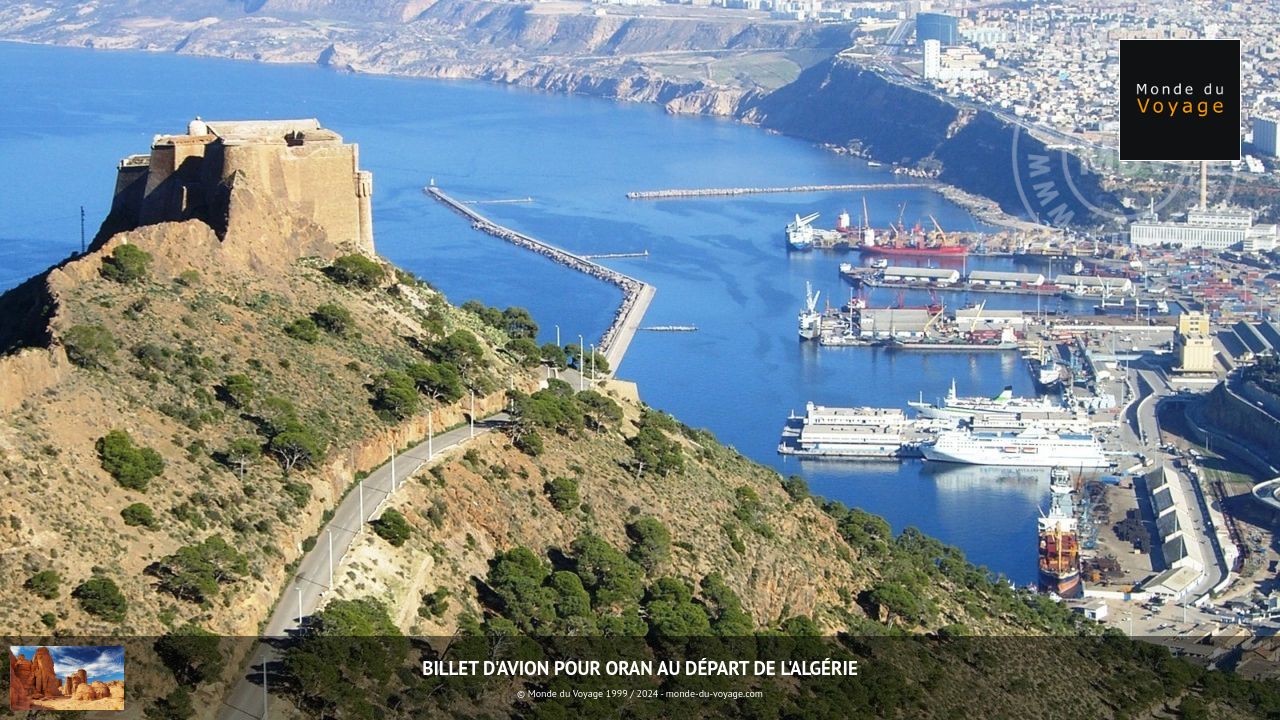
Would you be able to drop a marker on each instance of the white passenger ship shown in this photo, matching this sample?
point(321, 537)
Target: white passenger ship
point(1035, 447)
point(859, 432)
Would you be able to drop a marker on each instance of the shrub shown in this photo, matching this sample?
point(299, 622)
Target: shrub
point(131, 466)
point(333, 318)
point(392, 527)
point(303, 329)
point(438, 381)
point(191, 653)
point(395, 395)
point(90, 346)
point(139, 514)
point(99, 596)
point(300, 493)
point(650, 542)
point(44, 583)
point(563, 493)
point(796, 487)
point(237, 390)
point(355, 271)
point(434, 604)
point(195, 572)
point(529, 442)
point(127, 264)
point(296, 447)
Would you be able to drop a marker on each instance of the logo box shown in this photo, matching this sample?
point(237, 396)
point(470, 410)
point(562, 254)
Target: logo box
point(1180, 100)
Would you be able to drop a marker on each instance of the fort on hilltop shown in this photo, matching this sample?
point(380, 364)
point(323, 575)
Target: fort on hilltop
point(190, 176)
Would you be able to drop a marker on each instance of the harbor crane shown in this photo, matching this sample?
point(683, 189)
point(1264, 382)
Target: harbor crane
point(946, 242)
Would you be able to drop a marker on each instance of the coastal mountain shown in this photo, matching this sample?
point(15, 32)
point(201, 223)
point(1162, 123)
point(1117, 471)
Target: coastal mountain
point(971, 149)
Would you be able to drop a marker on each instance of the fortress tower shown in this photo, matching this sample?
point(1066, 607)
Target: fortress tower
point(190, 176)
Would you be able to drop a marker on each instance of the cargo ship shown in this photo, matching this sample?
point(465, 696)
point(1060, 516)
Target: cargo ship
point(1033, 447)
point(1060, 541)
point(902, 242)
point(800, 232)
point(810, 319)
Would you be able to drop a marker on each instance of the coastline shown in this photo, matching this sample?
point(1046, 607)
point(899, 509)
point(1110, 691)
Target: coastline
point(982, 208)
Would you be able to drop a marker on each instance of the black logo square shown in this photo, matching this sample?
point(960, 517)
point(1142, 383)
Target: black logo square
point(1179, 100)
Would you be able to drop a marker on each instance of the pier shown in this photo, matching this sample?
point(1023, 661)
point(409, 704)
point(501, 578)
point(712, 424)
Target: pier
point(602, 256)
point(508, 201)
point(720, 192)
point(636, 295)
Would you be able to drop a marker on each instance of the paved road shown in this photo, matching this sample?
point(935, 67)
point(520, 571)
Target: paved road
point(312, 579)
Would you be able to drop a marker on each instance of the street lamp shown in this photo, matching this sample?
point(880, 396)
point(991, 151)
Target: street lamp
point(581, 352)
point(473, 413)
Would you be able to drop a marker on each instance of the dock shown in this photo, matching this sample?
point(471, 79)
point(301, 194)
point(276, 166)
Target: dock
point(636, 295)
point(603, 256)
point(721, 192)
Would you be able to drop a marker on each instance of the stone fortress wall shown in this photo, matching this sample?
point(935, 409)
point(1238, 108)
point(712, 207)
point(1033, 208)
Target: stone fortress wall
point(190, 176)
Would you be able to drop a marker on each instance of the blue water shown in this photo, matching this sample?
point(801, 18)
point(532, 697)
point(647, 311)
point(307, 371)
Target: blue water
point(717, 263)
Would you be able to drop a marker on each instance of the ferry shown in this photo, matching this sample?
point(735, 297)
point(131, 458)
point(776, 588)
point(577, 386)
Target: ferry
point(965, 408)
point(1033, 447)
point(857, 432)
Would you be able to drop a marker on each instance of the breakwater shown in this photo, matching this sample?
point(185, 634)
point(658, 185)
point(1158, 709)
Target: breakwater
point(636, 295)
point(722, 192)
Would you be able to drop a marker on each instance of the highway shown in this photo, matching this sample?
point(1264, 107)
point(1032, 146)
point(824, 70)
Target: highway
point(303, 596)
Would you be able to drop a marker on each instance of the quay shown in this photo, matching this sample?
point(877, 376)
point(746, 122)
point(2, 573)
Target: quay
point(718, 192)
point(603, 256)
point(636, 295)
point(508, 201)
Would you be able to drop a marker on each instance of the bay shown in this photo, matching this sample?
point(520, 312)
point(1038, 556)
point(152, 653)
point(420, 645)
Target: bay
point(717, 263)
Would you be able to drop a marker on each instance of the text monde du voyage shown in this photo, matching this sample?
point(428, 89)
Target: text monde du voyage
point(640, 668)
point(1182, 99)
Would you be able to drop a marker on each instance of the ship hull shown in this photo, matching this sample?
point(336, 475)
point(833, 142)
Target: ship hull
point(1012, 459)
point(1067, 586)
point(950, 251)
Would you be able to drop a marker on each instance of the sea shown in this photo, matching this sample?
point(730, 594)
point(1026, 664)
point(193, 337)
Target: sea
point(718, 263)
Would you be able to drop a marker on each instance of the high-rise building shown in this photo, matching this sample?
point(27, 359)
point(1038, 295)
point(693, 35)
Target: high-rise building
point(1266, 135)
point(1194, 344)
point(936, 26)
point(932, 59)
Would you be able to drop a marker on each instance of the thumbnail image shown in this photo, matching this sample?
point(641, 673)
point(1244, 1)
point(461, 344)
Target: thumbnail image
point(66, 677)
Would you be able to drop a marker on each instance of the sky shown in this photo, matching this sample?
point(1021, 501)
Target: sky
point(101, 663)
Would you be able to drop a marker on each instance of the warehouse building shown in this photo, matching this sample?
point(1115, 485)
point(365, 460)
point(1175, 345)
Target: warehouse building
point(934, 276)
point(996, 278)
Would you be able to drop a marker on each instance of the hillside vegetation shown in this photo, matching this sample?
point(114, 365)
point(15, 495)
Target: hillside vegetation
point(206, 417)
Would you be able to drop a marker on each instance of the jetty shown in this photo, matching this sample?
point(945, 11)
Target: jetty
point(718, 192)
point(636, 295)
point(601, 256)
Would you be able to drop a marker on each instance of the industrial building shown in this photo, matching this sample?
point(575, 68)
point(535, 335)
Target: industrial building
point(886, 323)
point(1181, 554)
point(978, 318)
point(1216, 229)
point(998, 278)
point(1193, 343)
point(1094, 284)
point(936, 276)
